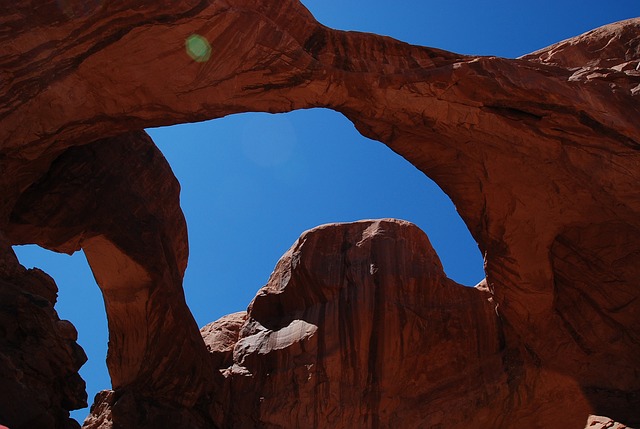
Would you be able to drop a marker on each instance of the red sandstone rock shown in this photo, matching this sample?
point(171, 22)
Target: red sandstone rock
point(359, 327)
point(92, 197)
point(541, 156)
point(39, 356)
point(221, 337)
point(599, 422)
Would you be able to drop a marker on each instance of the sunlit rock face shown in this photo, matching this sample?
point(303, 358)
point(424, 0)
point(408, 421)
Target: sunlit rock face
point(358, 326)
point(541, 156)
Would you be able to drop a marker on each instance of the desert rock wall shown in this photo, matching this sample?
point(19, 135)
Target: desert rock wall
point(540, 154)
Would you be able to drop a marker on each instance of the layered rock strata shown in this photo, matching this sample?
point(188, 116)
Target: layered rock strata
point(541, 156)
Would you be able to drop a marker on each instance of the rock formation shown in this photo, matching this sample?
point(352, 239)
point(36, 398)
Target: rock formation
point(541, 156)
point(93, 196)
point(39, 356)
point(358, 326)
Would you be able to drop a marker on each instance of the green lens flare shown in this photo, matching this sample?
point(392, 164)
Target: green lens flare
point(198, 48)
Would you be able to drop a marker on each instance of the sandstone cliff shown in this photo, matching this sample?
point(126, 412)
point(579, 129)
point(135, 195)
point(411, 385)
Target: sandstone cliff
point(359, 327)
point(539, 154)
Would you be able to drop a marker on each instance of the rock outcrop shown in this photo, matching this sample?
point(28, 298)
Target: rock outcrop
point(599, 422)
point(39, 356)
point(358, 326)
point(541, 156)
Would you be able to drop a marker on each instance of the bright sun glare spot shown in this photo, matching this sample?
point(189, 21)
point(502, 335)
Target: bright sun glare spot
point(198, 48)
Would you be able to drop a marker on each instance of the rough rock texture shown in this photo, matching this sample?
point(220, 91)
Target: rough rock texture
point(541, 156)
point(358, 326)
point(599, 422)
point(39, 356)
point(93, 196)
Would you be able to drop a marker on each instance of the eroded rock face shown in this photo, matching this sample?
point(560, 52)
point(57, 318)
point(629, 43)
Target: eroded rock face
point(358, 326)
point(541, 156)
point(599, 422)
point(92, 197)
point(39, 356)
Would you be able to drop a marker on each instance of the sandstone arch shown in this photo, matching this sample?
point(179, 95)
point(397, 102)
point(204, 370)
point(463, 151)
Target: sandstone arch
point(84, 201)
point(528, 149)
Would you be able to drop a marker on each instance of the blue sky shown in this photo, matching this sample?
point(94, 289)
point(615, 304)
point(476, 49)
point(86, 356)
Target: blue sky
point(252, 183)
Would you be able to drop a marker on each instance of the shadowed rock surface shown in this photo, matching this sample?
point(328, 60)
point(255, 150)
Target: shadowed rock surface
point(39, 356)
point(93, 196)
point(541, 156)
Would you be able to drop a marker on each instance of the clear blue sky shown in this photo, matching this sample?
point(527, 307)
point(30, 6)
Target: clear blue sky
point(252, 183)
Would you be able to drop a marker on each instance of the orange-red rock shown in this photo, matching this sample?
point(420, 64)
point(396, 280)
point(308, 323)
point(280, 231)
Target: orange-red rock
point(541, 156)
point(358, 326)
point(93, 196)
point(600, 422)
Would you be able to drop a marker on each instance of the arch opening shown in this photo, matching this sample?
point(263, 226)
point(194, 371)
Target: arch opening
point(266, 179)
point(252, 183)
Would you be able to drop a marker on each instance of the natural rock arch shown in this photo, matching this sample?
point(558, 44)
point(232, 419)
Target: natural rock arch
point(489, 131)
point(140, 274)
